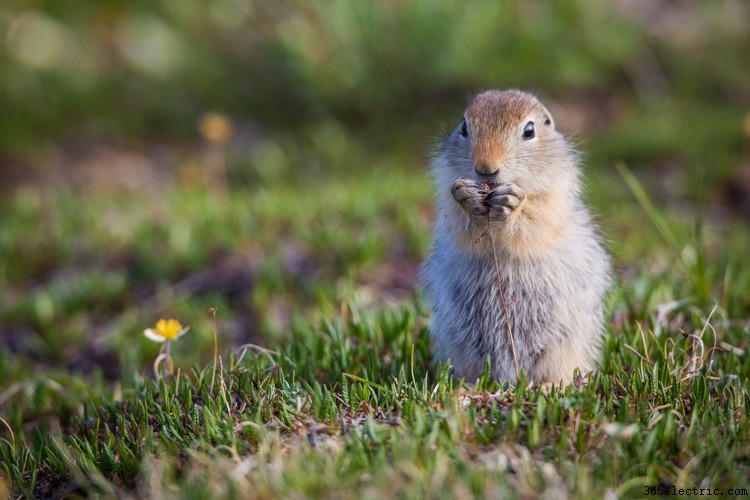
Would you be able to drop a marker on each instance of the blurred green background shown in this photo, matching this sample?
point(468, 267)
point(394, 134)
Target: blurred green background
point(270, 158)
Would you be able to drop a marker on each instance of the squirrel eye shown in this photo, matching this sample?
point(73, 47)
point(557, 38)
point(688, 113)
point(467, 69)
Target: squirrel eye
point(528, 131)
point(464, 131)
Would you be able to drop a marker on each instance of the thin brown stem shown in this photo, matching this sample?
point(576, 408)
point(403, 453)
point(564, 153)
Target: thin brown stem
point(502, 297)
point(12, 435)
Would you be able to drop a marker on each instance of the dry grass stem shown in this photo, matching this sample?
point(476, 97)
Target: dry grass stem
point(502, 297)
point(223, 387)
point(12, 435)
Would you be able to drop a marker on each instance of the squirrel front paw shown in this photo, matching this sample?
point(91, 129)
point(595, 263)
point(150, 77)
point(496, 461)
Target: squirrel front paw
point(471, 196)
point(478, 200)
point(503, 200)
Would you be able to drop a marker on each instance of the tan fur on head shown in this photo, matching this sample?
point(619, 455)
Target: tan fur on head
point(494, 152)
point(523, 191)
point(488, 133)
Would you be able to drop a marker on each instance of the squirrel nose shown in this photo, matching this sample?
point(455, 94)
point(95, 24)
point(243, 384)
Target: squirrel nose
point(485, 169)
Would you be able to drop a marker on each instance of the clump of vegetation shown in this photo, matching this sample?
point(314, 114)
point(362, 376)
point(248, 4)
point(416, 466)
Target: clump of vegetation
point(343, 398)
point(349, 407)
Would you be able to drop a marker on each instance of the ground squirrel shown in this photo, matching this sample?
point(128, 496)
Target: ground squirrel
point(505, 173)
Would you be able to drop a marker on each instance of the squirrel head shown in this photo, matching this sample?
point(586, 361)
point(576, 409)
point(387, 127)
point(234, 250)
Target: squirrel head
point(508, 136)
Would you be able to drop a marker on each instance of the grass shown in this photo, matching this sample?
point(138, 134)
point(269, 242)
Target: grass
point(310, 419)
point(343, 397)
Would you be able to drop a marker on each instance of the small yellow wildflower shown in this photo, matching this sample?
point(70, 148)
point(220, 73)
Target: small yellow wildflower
point(215, 128)
point(166, 329)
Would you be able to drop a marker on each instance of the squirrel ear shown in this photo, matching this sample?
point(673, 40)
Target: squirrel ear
point(548, 120)
point(548, 117)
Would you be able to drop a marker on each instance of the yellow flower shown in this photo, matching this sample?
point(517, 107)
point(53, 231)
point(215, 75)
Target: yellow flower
point(215, 128)
point(166, 329)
